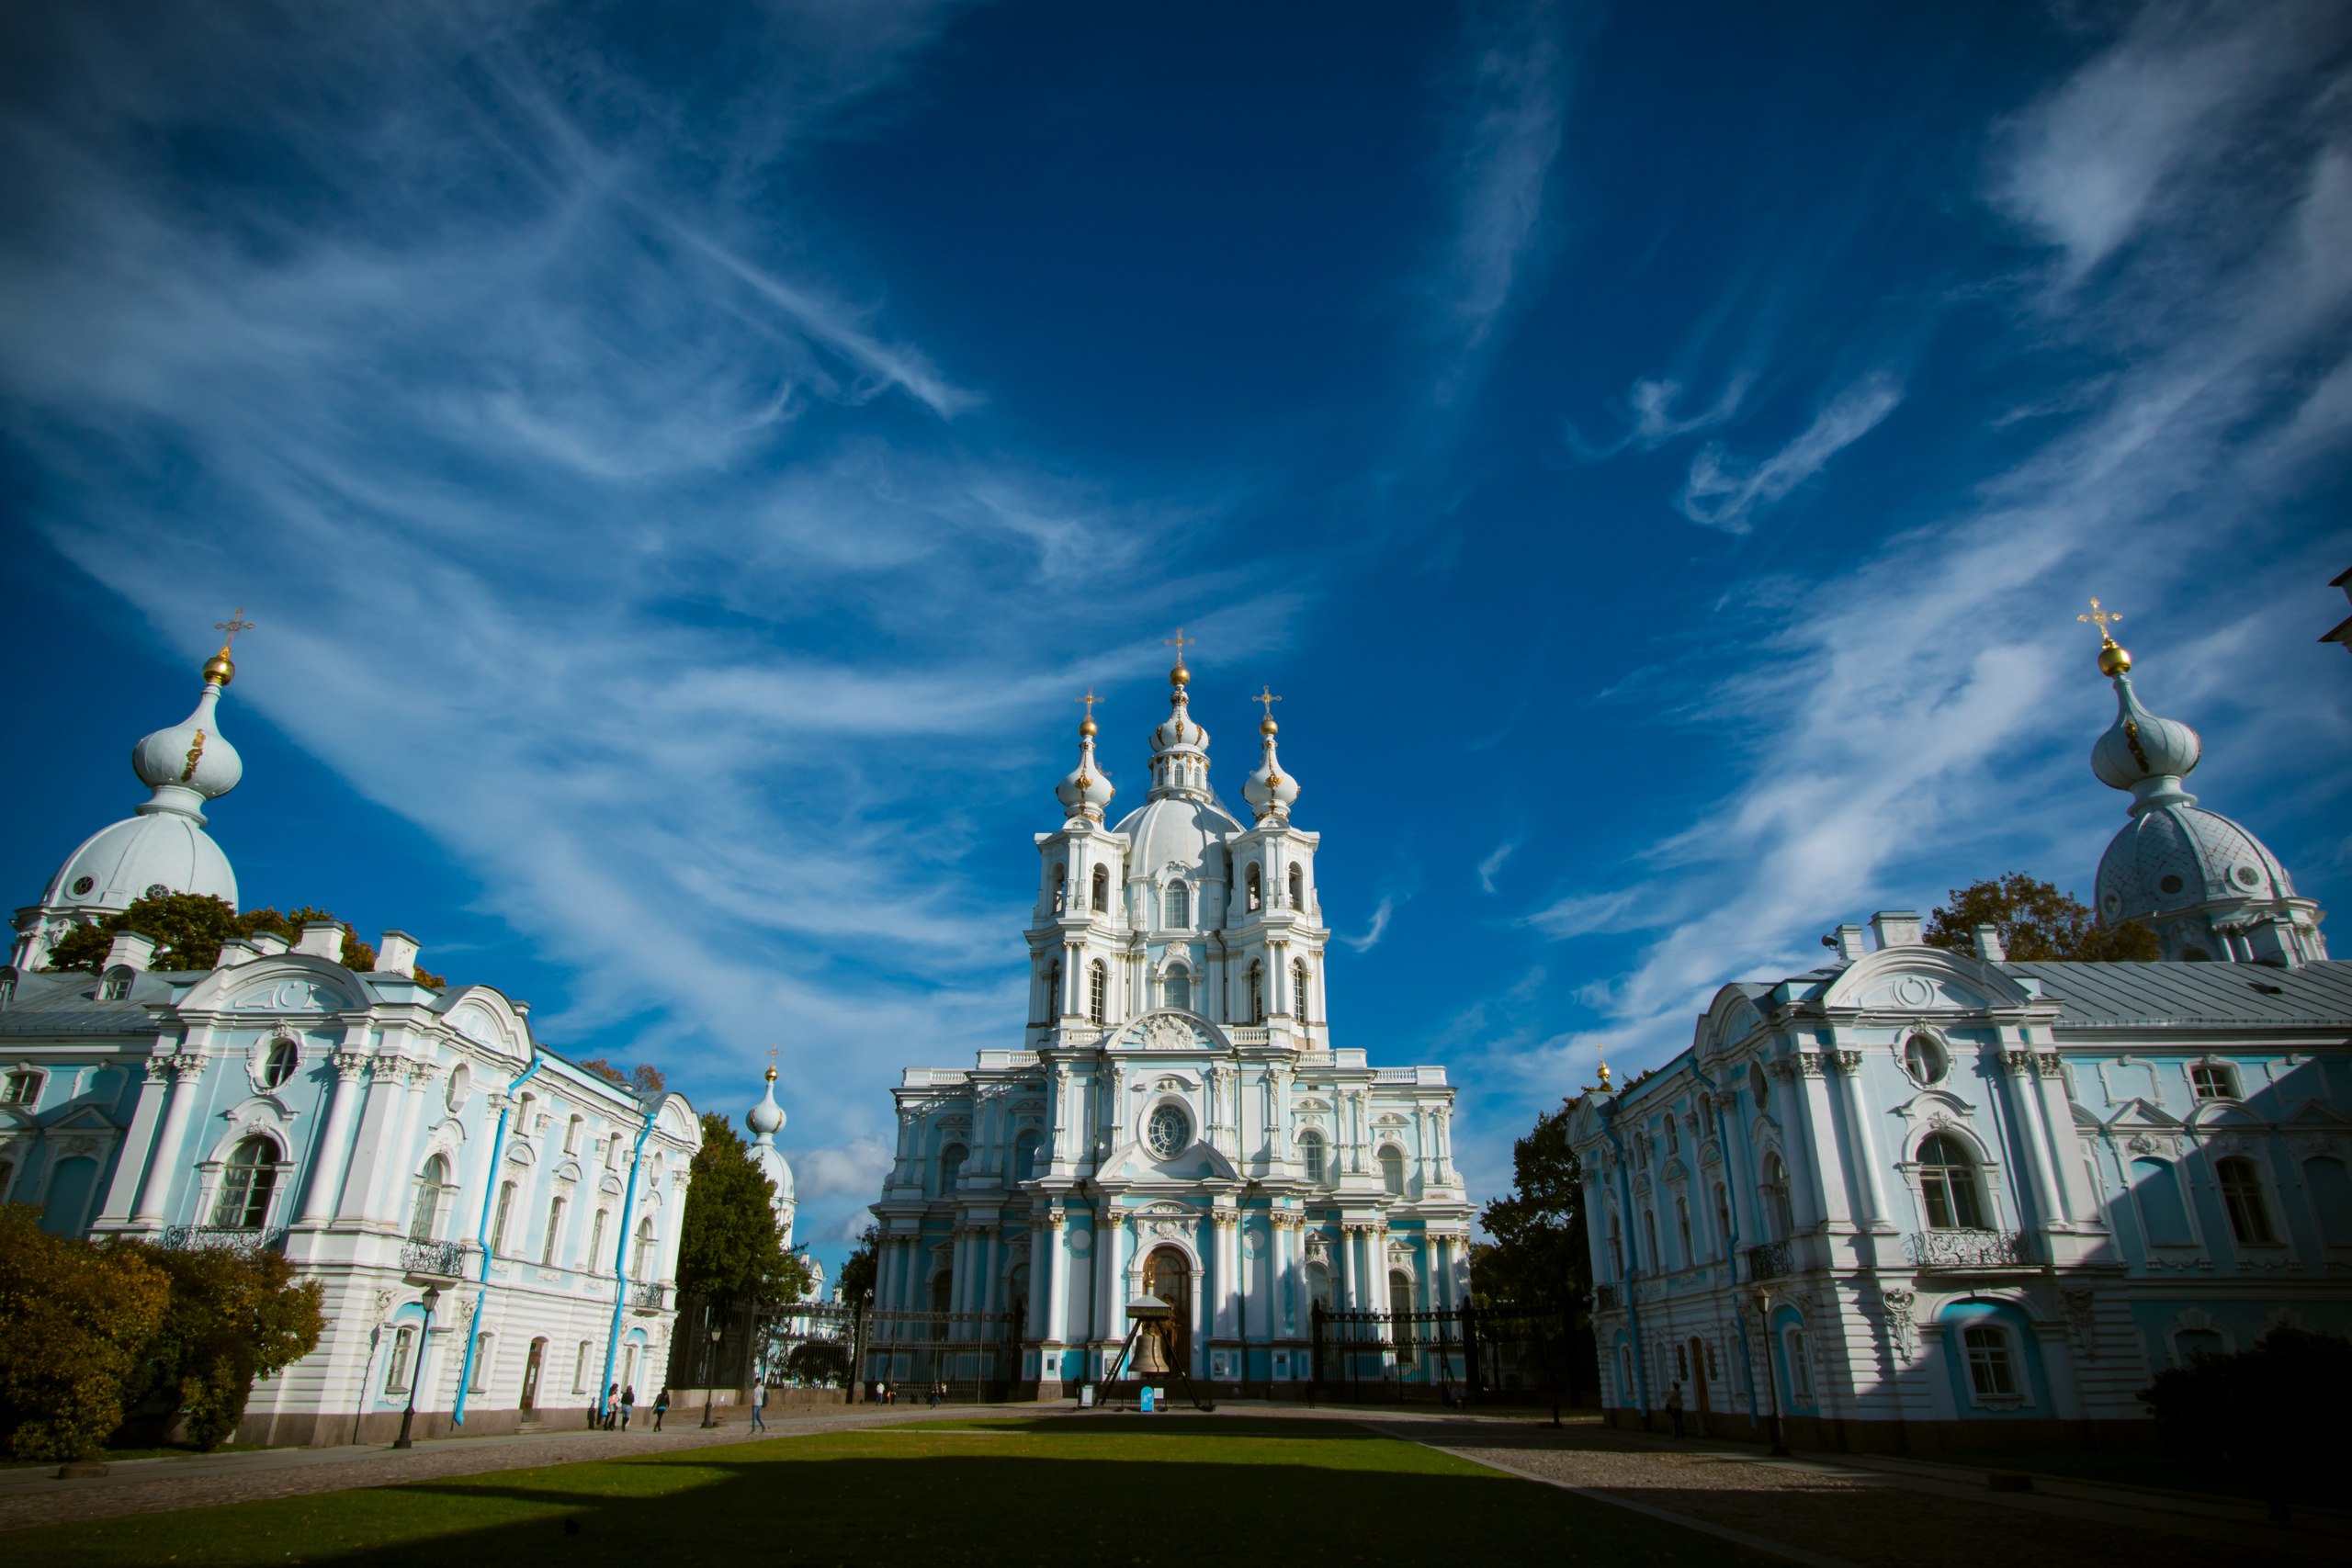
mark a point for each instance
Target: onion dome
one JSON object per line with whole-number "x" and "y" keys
{"x": 2141, "y": 753}
{"x": 766, "y": 1120}
{"x": 1085, "y": 790}
{"x": 1180, "y": 747}
{"x": 1270, "y": 791}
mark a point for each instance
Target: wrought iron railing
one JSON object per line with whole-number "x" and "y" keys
{"x": 646, "y": 1295}
{"x": 441, "y": 1259}
{"x": 1965, "y": 1249}
{"x": 1606, "y": 1297}
{"x": 228, "y": 1238}
{"x": 1771, "y": 1260}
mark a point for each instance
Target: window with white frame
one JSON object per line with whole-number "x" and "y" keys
{"x": 432, "y": 1188}
{"x": 1777, "y": 1205}
{"x": 641, "y": 1267}
{"x": 597, "y": 1240}
{"x": 2213, "y": 1080}
{"x": 1177, "y": 989}
{"x": 1098, "y": 992}
{"x": 1252, "y": 888}
{"x": 1800, "y": 1372}
{"x": 553, "y": 1243}
{"x": 1299, "y": 990}
{"x": 1925, "y": 1060}
{"x": 1649, "y": 1240}
{"x": 1297, "y": 889}
{"x": 1992, "y": 1367}
{"x": 115, "y": 987}
{"x": 2241, "y": 1196}
{"x": 246, "y": 1186}
{"x": 1948, "y": 1185}
{"x": 284, "y": 1057}
{"x": 580, "y": 1368}
{"x": 1176, "y": 909}
{"x": 1102, "y": 889}
{"x": 481, "y": 1379}
{"x": 1310, "y": 1155}
{"x": 23, "y": 1088}
{"x": 397, "y": 1370}
{"x": 505, "y": 1213}
{"x": 1392, "y": 1171}
{"x": 1723, "y": 1217}
{"x": 1257, "y": 992}
{"x": 1682, "y": 1231}
{"x": 951, "y": 1166}
{"x": 572, "y": 1134}
{"x": 1616, "y": 1249}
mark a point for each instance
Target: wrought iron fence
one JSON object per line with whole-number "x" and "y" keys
{"x": 227, "y": 1238}
{"x": 440, "y": 1259}
{"x": 1965, "y": 1249}
{"x": 1470, "y": 1355}
{"x": 975, "y": 1354}
{"x": 1771, "y": 1260}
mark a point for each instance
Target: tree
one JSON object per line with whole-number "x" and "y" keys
{"x": 190, "y": 927}
{"x": 2036, "y": 922}
{"x": 1538, "y": 1258}
{"x": 728, "y": 1251}
{"x": 819, "y": 1362}
{"x": 2263, "y": 1415}
{"x": 79, "y": 1317}
{"x": 234, "y": 1317}
{"x": 644, "y": 1080}
{"x": 860, "y": 1269}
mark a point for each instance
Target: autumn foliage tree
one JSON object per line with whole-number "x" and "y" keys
{"x": 78, "y": 1320}
{"x": 188, "y": 929}
{"x": 234, "y": 1317}
{"x": 2036, "y": 921}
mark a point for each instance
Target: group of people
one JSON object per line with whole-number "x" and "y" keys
{"x": 883, "y": 1394}
{"x": 620, "y": 1404}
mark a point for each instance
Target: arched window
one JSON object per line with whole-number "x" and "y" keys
{"x": 432, "y": 1185}
{"x": 1025, "y": 1157}
{"x": 580, "y": 1368}
{"x": 1310, "y": 1155}
{"x": 1318, "y": 1285}
{"x": 2326, "y": 1179}
{"x": 554, "y": 1242}
{"x": 1777, "y": 1205}
{"x": 572, "y": 1134}
{"x": 1178, "y": 988}
{"x": 1252, "y": 888}
{"x": 2241, "y": 1196}
{"x": 1098, "y": 992}
{"x": 951, "y": 1166}
{"x": 1176, "y": 909}
{"x": 1297, "y": 889}
{"x": 1948, "y": 1185}
{"x": 1257, "y": 992}
{"x": 1102, "y": 889}
{"x": 943, "y": 1297}
{"x": 1062, "y": 888}
{"x": 246, "y": 1186}
{"x": 1649, "y": 1239}
{"x": 481, "y": 1364}
{"x": 505, "y": 1211}
{"x": 1392, "y": 1171}
{"x": 642, "y": 1265}
{"x": 1616, "y": 1249}
{"x": 1723, "y": 1218}
{"x": 1053, "y": 989}
{"x": 596, "y": 1239}
{"x": 284, "y": 1057}
{"x": 1682, "y": 1231}
{"x": 116, "y": 987}
{"x": 1991, "y": 1373}
{"x": 1298, "y": 989}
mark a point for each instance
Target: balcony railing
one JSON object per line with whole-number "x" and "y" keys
{"x": 1965, "y": 1249}
{"x": 226, "y": 1238}
{"x": 1771, "y": 1260}
{"x": 1606, "y": 1297}
{"x": 438, "y": 1259}
{"x": 646, "y": 1295}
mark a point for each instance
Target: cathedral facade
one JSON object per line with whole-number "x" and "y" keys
{"x": 494, "y": 1227}
{"x": 1919, "y": 1199}
{"x": 1177, "y": 1121}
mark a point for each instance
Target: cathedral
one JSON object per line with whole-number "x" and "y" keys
{"x": 1176, "y": 1121}
{"x": 1915, "y": 1199}
{"x": 496, "y": 1228}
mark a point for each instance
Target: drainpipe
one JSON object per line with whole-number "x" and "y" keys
{"x": 1731, "y": 1246}
{"x": 621, "y": 1260}
{"x": 481, "y": 1237}
{"x": 1625, "y": 1269}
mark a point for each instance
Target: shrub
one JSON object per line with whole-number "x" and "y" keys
{"x": 234, "y": 1317}
{"x": 79, "y": 1319}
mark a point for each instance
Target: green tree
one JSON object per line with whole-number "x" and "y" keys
{"x": 234, "y": 1317}
{"x": 728, "y": 1251}
{"x": 2264, "y": 1417}
{"x": 644, "y": 1080}
{"x": 2036, "y": 922}
{"x": 78, "y": 1318}
{"x": 821, "y": 1362}
{"x": 861, "y": 1268}
{"x": 188, "y": 929}
{"x": 1538, "y": 1258}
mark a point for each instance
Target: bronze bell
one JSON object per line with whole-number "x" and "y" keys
{"x": 1150, "y": 1362}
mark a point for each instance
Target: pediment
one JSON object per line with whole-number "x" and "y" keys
{"x": 299, "y": 992}
{"x": 2314, "y": 1114}
{"x": 1169, "y": 1029}
{"x": 83, "y": 1119}
{"x": 1916, "y": 979}
{"x": 2138, "y": 1113}
{"x": 1929, "y": 1103}
{"x": 2223, "y": 1114}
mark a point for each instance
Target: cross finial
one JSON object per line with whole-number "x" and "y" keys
{"x": 1178, "y": 641}
{"x": 1267, "y": 699}
{"x": 1089, "y": 700}
{"x": 772, "y": 1051}
{"x": 232, "y": 626}
{"x": 2102, "y": 619}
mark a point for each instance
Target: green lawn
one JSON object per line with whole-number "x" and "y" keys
{"x": 1172, "y": 1490}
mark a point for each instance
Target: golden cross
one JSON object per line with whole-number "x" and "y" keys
{"x": 232, "y": 626}
{"x": 2101, "y": 619}
{"x": 1179, "y": 640}
{"x": 1266, "y": 695}
{"x": 1089, "y": 700}
{"x": 772, "y": 1051}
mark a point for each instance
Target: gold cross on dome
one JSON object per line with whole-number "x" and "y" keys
{"x": 232, "y": 626}
{"x": 1089, "y": 700}
{"x": 1178, "y": 641}
{"x": 2101, "y": 619}
{"x": 772, "y": 1053}
{"x": 1266, "y": 696}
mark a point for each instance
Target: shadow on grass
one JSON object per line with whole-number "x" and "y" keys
{"x": 796, "y": 1503}
{"x": 1176, "y": 1425}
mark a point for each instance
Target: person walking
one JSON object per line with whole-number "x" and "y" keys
{"x": 759, "y": 1398}
{"x": 628, "y": 1403}
{"x": 661, "y": 1406}
{"x": 936, "y": 1390}
{"x": 612, "y": 1406}
{"x": 1674, "y": 1408}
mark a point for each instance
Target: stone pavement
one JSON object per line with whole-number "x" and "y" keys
{"x": 1835, "y": 1512}
{"x": 33, "y": 1496}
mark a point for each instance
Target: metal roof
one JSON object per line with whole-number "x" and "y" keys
{"x": 2314, "y": 995}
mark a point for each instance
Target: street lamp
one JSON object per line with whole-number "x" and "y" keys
{"x": 1771, "y": 1378}
{"x": 417, "y": 1373}
{"x": 709, "y": 1373}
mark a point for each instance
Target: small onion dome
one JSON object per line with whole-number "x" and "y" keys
{"x": 1269, "y": 790}
{"x": 1085, "y": 790}
{"x": 2143, "y": 753}
{"x": 189, "y": 763}
{"x": 766, "y": 1118}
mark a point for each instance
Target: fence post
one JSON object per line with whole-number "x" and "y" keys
{"x": 1473, "y": 1371}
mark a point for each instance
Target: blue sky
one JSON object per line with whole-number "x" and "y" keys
{"x": 685, "y": 460}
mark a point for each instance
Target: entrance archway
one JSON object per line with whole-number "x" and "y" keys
{"x": 1168, "y": 1274}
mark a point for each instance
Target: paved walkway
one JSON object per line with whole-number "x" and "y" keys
{"x": 33, "y": 1496}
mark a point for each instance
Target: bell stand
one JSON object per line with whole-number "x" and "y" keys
{"x": 1151, "y": 1309}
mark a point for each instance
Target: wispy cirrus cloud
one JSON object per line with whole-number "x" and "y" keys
{"x": 1492, "y": 865}
{"x": 1722, "y": 491}
{"x": 1381, "y": 915}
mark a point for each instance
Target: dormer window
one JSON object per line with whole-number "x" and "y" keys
{"x": 7, "y": 987}
{"x": 115, "y": 987}
{"x": 22, "y": 1088}
{"x": 2213, "y": 1080}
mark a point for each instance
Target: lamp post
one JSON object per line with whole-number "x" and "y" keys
{"x": 416, "y": 1374}
{"x": 1771, "y": 1378}
{"x": 710, "y": 1374}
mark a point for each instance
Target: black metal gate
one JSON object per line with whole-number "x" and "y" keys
{"x": 1489, "y": 1355}
{"x": 975, "y": 1354}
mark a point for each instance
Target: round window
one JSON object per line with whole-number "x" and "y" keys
{"x": 157, "y": 890}
{"x": 2247, "y": 876}
{"x": 1168, "y": 1132}
{"x": 2168, "y": 883}
{"x": 2113, "y": 902}
{"x": 1925, "y": 1060}
{"x": 83, "y": 884}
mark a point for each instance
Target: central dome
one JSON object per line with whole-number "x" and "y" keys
{"x": 1179, "y": 831}
{"x": 2177, "y": 857}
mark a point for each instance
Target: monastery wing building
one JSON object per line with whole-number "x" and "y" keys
{"x": 1176, "y": 1121}
{"x": 389, "y": 1138}
{"x": 1922, "y": 1199}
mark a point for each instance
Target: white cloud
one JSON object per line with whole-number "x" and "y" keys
{"x": 1582, "y": 914}
{"x": 1722, "y": 491}
{"x": 851, "y": 1170}
{"x": 1379, "y": 928}
{"x": 1651, "y": 404}
{"x": 1493, "y": 863}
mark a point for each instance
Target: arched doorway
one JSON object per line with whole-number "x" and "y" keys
{"x": 531, "y": 1374}
{"x": 1168, "y": 1274}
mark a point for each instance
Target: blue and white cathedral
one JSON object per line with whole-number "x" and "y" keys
{"x": 1176, "y": 1121}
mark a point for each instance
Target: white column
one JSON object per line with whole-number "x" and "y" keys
{"x": 390, "y": 1180}
{"x": 1057, "y": 1324}
{"x": 1862, "y": 1170}
{"x": 334, "y": 1146}
{"x": 2064, "y": 1143}
{"x": 185, "y": 1074}
{"x": 2032, "y": 1143}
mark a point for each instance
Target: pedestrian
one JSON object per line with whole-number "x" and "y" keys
{"x": 661, "y": 1406}
{"x": 612, "y": 1406}
{"x": 628, "y": 1403}
{"x": 759, "y": 1398}
{"x": 887, "y": 1398}
{"x": 1673, "y": 1407}
{"x": 936, "y": 1390}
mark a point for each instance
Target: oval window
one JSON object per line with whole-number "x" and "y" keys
{"x": 1168, "y": 1132}
{"x": 1925, "y": 1060}
{"x": 2168, "y": 883}
{"x": 284, "y": 1057}
{"x": 83, "y": 884}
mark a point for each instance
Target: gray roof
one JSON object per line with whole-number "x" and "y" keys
{"x": 2315, "y": 995}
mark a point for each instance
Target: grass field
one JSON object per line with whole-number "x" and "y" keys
{"x": 1070, "y": 1490}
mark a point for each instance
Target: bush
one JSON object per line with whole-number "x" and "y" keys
{"x": 2263, "y": 1415}
{"x": 79, "y": 1319}
{"x": 234, "y": 1317}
